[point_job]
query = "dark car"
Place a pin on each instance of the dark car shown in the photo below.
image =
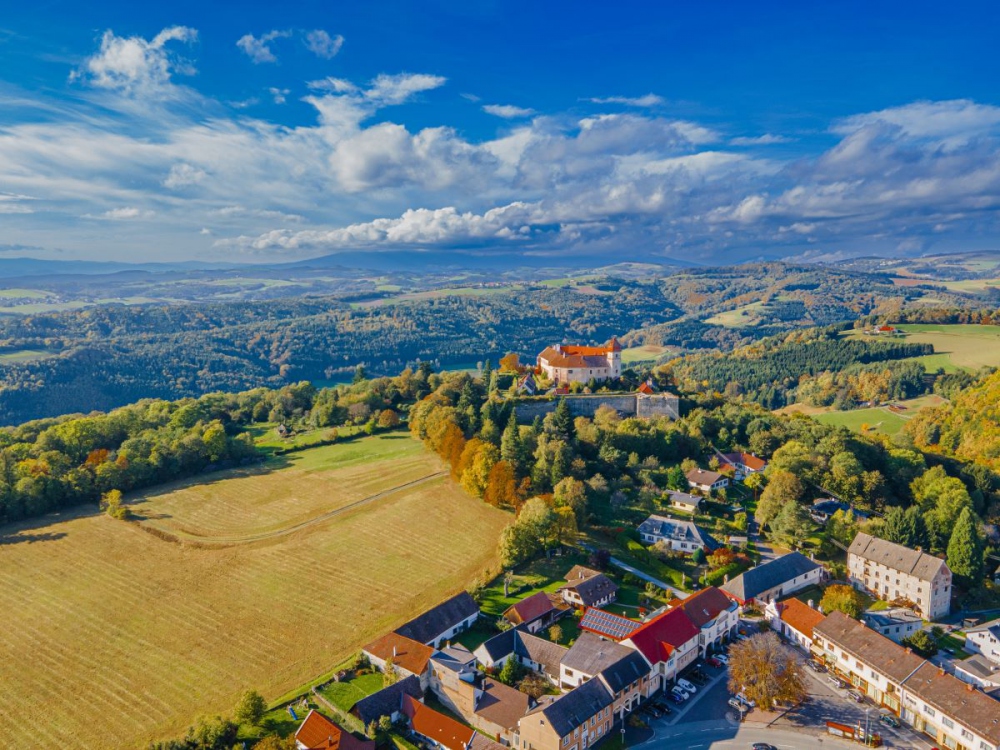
(815, 666)
(889, 720)
(713, 662)
(667, 710)
(856, 696)
(676, 698)
(762, 746)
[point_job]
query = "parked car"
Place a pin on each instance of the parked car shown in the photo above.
(736, 704)
(815, 666)
(713, 662)
(684, 684)
(762, 746)
(657, 713)
(856, 696)
(745, 701)
(836, 682)
(679, 693)
(697, 678)
(667, 710)
(723, 658)
(889, 720)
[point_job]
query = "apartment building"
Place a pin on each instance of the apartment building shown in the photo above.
(891, 571)
(572, 721)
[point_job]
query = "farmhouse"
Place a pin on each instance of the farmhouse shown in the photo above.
(775, 579)
(684, 501)
(706, 481)
(585, 587)
(895, 624)
(683, 536)
(743, 464)
(563, 363)
(408, 657)
(891, 571)
(984, 639)
(794, 620)
(537, 654)
(388, 701)
(443, 622)
(537, 611)
(319, 733)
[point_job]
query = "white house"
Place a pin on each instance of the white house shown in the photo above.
(984, 639)
(891, 571)
(895, 624)
(706, 481)
(443, 622)
(683, 536)
(794, 620)
(684, 501)
(775, 579)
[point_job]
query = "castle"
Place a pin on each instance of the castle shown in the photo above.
(563, 363)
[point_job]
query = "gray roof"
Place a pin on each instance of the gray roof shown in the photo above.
(434, 622)
(703, 476)
(677, 530)
(388, 700)
(684, 498)
(455, 658)
(889, 617)
(592, 589)
(592, 655)
(751, 583)
(540, 651)
(571, 710)
(993, 626)
(979, 666)
(625, 671)
(897, 557)
(500, 645)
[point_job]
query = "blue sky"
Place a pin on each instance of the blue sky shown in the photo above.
(704, 131)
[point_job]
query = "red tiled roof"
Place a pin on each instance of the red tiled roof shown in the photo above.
(530, 608)
(800, 616)
(405, 652)
(705, 606)
(436, 726)
(662, 635)
(646, 388)
(568, 355)
(748, 460)
(319, 733)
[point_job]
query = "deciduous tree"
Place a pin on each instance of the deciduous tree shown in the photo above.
(765, 671)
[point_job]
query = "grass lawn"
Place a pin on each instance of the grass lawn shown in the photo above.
(126, 638)
(955, 346)
(24, 355)
(543, 574)
(647, 353)
(266, 436)
(345, 694)
(814, 593)
(879, 419)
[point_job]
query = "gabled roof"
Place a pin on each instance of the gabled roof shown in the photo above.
(749, 460)
(993, 626)
(429, 626)
(625, 671)
(500, 704)
(319, 733)
(436, 726)
(607, 624)
(703, 476)
(764, 577)
(387, 701)
(500, 645)
(799, 616)
(574, 708)
(579, 572)
(592, 589)
(684, 498)
(880, 653)
(405, 653)
(952, 697)
(532, 608)
(590, 654)
(897, 557)
(706, 605)
(540, 651)
(664, 634)
(455, 658)
(678, 531)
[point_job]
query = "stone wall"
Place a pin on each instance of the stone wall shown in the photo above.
(626, 404)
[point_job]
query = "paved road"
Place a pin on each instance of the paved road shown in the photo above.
(639, 574)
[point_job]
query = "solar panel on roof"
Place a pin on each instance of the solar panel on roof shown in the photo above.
(607, 624)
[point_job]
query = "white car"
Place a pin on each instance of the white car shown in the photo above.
(685, 685)
(746, 701)
(679, 693)
(722, 657)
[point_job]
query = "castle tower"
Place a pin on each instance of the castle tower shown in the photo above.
(614, 356)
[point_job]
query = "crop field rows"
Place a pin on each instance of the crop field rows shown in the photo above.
(113, 637)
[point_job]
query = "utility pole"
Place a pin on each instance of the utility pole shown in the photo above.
(623, 726)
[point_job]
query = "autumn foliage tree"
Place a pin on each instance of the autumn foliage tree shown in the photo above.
(765, 671)
(844, 599)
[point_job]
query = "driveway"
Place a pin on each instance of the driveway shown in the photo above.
(639, 574)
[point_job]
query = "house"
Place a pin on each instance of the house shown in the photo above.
(436, 729)
(706, 481)
(537, 654)
(979, 671)
(450, 667)
(408, 657)
(585, 587)
(388, 701)
(608, 625)
(742, 464)
(573, 721)
(319, 733)
(823, 509)
(775, 579)
(563, 363)
(794, 620)
(683, 536)
(669, 641)
(714, 614)
(587, 657)
(896, 623)
(646, 387)
(536, 612)
(490, 706)
(891, 571)
(443, 622)
(527, 384)
(684, 501)
(984, 639)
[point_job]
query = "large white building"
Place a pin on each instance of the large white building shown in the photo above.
(891, 571)
(984, 639)
(563, 363)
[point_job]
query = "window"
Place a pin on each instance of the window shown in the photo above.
(947, 722)
(565, 740)
(928, 710)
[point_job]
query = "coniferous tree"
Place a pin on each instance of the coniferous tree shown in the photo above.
(916, 528)
(511, 447)
(965, 550)
(895, 527)
(562, 421)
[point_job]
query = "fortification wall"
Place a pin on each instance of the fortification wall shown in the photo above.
(626, 404)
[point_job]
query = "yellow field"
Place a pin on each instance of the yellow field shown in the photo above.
(111, 636)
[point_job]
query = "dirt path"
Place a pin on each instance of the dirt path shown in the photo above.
(180, 536)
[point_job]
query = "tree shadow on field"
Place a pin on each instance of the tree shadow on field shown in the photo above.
(27, 538)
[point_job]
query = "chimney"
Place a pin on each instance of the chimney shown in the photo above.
(970, 687)
(812, 604)
(394, 651)
(940, 671)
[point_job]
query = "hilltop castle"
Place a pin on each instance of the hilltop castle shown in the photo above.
(563, 363)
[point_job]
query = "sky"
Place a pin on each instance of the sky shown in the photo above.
(701, 132)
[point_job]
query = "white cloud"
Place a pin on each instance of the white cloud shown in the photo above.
(648, 100)
(507, 111)
(11, 203)
(183, 175)
(258, 48)
(322, 44)
(766, 139)
(396, 89)
(944, 120)
(334, 85)
(124, 213)
(278, 95)
(133, 64)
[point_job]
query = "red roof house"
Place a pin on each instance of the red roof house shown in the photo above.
(319, 733)
(659, 638)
